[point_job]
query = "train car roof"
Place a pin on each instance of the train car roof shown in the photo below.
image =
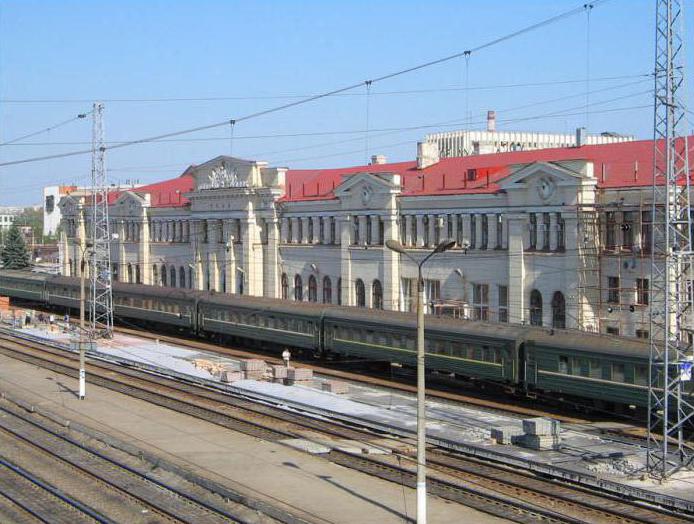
(26, 275)
(574, 340)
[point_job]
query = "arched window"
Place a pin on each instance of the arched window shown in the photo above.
(155, 275)
(163, 275)
(172, 280)
(138, 277)
(312, 289)
(339, 291)
(377, 295)
(535, 308)
(327, 291)
(361, 293)
(130, 272)
(298, 288)
(284, 284)
(558, 310)
(181, 277)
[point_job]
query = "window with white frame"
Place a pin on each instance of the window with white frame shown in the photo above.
(480, 301)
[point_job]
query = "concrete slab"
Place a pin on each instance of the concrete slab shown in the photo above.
(303, 483)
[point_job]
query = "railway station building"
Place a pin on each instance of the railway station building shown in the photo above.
(555, 237)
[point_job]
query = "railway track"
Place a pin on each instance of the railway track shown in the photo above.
(127, 492)
(495, 489)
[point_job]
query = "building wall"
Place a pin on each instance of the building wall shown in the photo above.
(531, 239)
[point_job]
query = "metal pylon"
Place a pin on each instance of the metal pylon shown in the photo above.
(670, 409)
(100, 249)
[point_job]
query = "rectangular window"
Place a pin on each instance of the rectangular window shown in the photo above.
(642, 287)
(610, 225)
(480, 301)
(403, 231)
(473, 231)
(355, 231)
(617, 373)
(642, 333)
(432, 294)
(451, 218)
(628, 230)
(310, 231)
(641, 375)
(545, 231)
(438, 224)
(595, 368)
(290, 231)
(561, 233)
(425, 229)
(413, 231)
(533, 230)
(485, 232)
(613, 290)
(471, 175)
(333, 237)
(300, 232)
(503, 303)
(646, 231)
(499, 231)
(381, 231)
(563, 365)
(321, 230)
(369, 233)
(204, 231)
(409, 286)
(612, 330)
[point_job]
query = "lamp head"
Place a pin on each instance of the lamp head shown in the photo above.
(444, 246)
(396, 246)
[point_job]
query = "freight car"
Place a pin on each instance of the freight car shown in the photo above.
(604, 370)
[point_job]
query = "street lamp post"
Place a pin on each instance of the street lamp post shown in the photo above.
(396, 246)
(82, 342)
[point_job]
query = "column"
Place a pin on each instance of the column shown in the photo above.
(491, 231)
(432, 231)
(295, 230)
(316, 230)
(407, 241)
(552, 232)
(144, 249)
(391, 265)
(516, 269)
(345, 261)
(362, 230)
(271, 258)
(252, 255)
(376, 230)
(420, 231)
(466, 231)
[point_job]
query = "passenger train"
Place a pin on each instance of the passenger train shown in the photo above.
(603, 371)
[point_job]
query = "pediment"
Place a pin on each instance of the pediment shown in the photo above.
(129, 202)
(368, 190)
(226, 172)
(548, 182)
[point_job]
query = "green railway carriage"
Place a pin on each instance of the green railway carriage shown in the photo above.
(468, 349)
(264, 320)
(23, 284)
(607, 369)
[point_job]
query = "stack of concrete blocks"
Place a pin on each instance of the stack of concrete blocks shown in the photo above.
(541, 433)
(231, 375)
(507, 435)
(279, 373)
(335, 386)
(253, 369)
(299, 376)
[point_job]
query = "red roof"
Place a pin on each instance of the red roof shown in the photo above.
(624, 164)
(168, 193)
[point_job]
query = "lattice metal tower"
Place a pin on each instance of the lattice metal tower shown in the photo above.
(670, 409)
(100, 249)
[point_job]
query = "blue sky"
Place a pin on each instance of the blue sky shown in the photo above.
(67, 53)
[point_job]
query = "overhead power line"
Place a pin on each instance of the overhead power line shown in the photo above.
(303, 101)
(47, 129)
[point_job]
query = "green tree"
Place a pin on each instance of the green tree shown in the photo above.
(14, 254)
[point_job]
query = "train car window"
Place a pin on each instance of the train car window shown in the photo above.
(641, 375)
(595, 368)
(617, 372)
(477, 353)
(563, 365)
(409, 342)
(584, 367)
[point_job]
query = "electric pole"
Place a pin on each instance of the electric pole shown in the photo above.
(100, 266)
(669, 408)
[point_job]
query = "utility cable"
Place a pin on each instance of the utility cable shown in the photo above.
(47, 129)
(326, 94)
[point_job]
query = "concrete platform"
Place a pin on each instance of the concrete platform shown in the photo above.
(306, 484)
